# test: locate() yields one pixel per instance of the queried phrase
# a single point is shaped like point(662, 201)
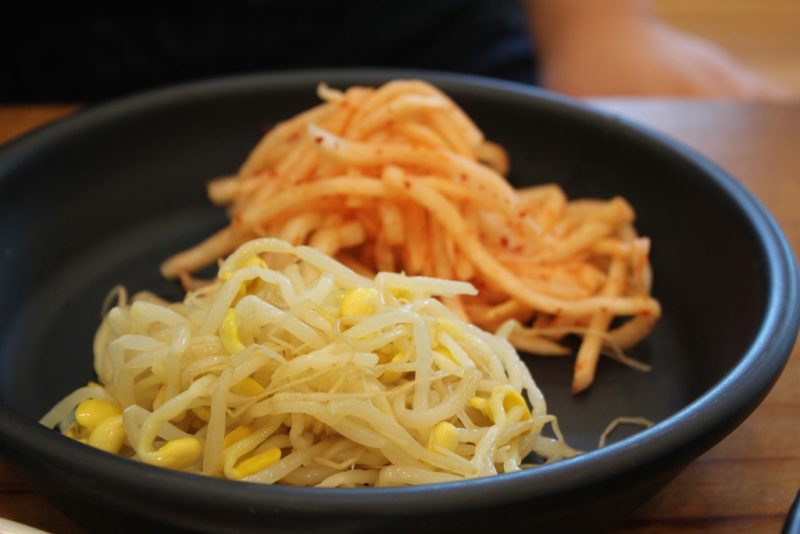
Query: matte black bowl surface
point(102, 197)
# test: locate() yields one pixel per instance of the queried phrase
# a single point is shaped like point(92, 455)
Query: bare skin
point(620, 47)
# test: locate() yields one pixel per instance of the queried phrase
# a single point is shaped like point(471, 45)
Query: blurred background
point(742, 49)
point(763, 34)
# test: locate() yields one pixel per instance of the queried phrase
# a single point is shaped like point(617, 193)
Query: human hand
point(640, 55)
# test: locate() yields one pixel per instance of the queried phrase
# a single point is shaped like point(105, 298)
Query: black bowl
point(102, 197)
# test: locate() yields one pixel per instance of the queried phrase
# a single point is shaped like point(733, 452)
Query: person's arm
point(620, 47)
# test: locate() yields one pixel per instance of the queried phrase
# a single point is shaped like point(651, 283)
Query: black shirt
point(99, 55)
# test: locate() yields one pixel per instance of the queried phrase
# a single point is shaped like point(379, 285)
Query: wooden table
point(748, 481)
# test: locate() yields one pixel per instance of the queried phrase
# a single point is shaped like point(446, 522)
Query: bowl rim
point(731, 398)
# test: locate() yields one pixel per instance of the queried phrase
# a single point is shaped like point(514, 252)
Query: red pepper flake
point(295, 136)
point(237, 219)
point(462, 177)
point(645, 312)
point(344, 102)
point(504, 241)
point(578, 366)
point(318, 139)
point(406, 183)
point(603, 309)
point(273, 172)
point(518, 249)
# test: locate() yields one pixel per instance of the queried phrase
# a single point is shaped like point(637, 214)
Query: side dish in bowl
point(128, 193)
